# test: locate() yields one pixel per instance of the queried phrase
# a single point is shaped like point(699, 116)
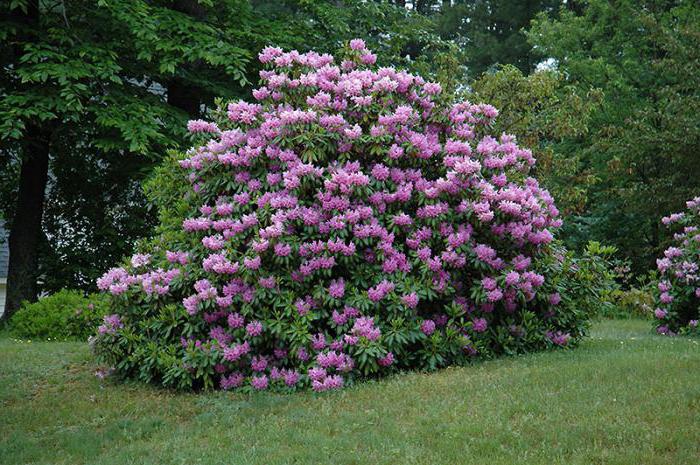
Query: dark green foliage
point(644, 138)
point(95, 211)
point(592, 285)
point(635, 302)
point(491, 31)
point(65, 315)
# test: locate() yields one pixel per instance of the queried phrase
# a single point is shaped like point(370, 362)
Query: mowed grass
point(624, 397)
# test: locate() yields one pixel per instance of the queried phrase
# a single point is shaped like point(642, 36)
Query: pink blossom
point(234, 380)
point(259, 382)
point(202, 126)
point(337, 288)
point(364, 327)
point(235, 320)
point(387, 360)
point(555, 298)
point(427, 327)
point(559, 338)
point(479, 325)
point(410, 300)
point(357, 44)
point(254, 329)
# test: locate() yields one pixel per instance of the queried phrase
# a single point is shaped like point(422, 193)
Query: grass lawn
point(624, 397)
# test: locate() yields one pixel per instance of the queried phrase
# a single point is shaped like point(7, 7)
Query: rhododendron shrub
point(348, 222)
point(678, 299)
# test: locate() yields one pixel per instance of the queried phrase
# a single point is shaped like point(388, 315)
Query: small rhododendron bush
point(351, 222)
point(679, 277)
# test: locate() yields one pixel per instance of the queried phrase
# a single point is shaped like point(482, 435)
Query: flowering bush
point(351, 222)
point(678, 299)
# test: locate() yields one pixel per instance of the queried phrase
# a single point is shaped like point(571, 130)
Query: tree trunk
point(25, 228)
point(25, 231)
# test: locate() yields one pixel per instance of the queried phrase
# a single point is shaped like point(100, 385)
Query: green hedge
point(65, 315)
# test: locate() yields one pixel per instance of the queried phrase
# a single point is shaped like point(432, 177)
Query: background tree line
point(93, 94)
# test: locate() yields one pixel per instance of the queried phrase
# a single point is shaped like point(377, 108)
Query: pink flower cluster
point(678, 297)
point(118, 280)
point(111, 324)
